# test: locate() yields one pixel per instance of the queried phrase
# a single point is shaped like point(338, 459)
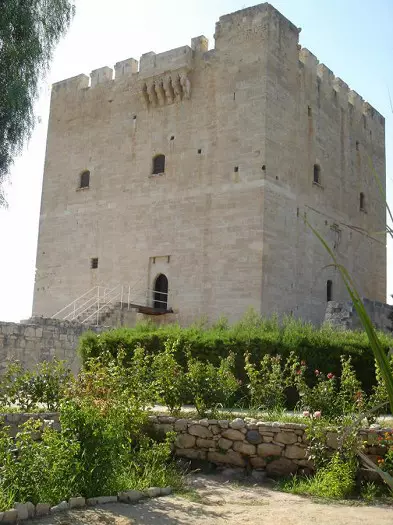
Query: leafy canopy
point(29, 31)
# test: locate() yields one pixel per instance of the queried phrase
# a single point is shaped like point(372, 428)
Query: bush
point(335, 481)
point(321, 348)
point(211, 386)
point(28, 389)
point(267, 383)
point(37, 471)
point(170, 379)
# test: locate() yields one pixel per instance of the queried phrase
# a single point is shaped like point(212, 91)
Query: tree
point(29, 31)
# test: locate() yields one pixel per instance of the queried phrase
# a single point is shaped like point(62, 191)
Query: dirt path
point(217, 502)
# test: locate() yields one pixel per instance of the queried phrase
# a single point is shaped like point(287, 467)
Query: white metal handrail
point(93, 303)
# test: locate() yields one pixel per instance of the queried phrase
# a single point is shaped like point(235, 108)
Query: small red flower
point(298, 372)
point(303, 363)
point(330, 375)
point(317, 372)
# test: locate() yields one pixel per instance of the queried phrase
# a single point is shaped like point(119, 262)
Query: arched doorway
point(161, 292)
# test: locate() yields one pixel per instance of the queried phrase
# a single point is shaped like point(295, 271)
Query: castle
point(184, 181)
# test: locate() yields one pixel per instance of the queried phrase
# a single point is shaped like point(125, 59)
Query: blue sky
point(354, 38)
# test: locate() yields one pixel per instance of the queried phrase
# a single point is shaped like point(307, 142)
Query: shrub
point(321, 348)
point(335, 481)
point(170, 379)
point(267, 383)
point(37, 471)
point(210, 386)
point(28, 389)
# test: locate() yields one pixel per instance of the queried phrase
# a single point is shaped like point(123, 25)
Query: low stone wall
point(277, 448)
point(343, 316)
point(40, 339)
point(14, 421)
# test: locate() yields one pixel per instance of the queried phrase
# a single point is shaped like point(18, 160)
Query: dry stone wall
point(277, 448)
point(40, 339)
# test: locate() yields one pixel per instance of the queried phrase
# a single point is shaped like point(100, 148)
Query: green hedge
point(321, 348)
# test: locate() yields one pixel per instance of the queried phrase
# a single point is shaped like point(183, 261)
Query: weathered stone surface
point(30, 509)
point(10, 516)
point(244, 448)
point(225, 444)
point(190, 453)
point(166, 491)
point(103, 500)
point(267, 439)
point(234, 435)
point(76, 503)
point(181, 424)
point(258, 462)
point(288, 438)
point(130, 496)
point(205, 443)
point(223, 423)
point(185, 441)
point(295, 452)
point(203, 422)
point(22, 510)
point(258, 475)
point(215, 429)
point(153, 492)
point(332, 440)
point(237, 423)
point(42, 509)
point(269, 449)
point(63, 505)
point(254, 437)
point(230, 458)
point(200, 431)
point(281, 466)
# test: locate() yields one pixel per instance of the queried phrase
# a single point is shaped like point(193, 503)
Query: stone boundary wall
point(274, 447)
point(15, 420)
point(40, 339)
point(343, 316)
point(277, 448)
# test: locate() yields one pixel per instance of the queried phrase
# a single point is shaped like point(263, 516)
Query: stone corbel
point(177, 87)
point(160, 92)
point(151, 91)
point(170, 95)
point(145, 96)
point(186, 85)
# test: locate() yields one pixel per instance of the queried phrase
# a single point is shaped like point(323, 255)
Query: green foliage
point(37, 471)
point(210, 386)
point(321, 348)
point(151, 465)
point(29, 32)
point(335, 481)
point(29, 389)
point(170, 379)
point(104, 442)
point(267, 383)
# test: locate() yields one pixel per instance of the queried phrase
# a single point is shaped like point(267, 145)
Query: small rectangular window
point(94, 263)
point(236, 169)
point(329, 290)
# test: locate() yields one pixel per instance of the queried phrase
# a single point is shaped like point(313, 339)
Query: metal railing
point(91, 306)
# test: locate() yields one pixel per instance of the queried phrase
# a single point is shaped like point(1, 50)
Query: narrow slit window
point(362, 203)
point(158, 164)
point(236, 169)
point(94, 263)
point(84, 181)
point(317, 174)
point(329, 290)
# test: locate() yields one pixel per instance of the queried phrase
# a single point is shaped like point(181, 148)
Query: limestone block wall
point(14, 421)
point(343, 315)
point(40, 339)
point(278, 448)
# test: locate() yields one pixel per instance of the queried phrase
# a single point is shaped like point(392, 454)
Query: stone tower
point(194, 171)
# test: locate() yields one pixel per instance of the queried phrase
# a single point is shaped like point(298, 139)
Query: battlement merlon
point(329, 81)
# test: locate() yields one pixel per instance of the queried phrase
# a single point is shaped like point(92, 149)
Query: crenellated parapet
point(162, 78)
point(326, 82)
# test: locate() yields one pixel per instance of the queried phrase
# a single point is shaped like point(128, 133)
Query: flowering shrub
point(386, 463)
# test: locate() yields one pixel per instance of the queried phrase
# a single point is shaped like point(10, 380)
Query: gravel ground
point(215, 501)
